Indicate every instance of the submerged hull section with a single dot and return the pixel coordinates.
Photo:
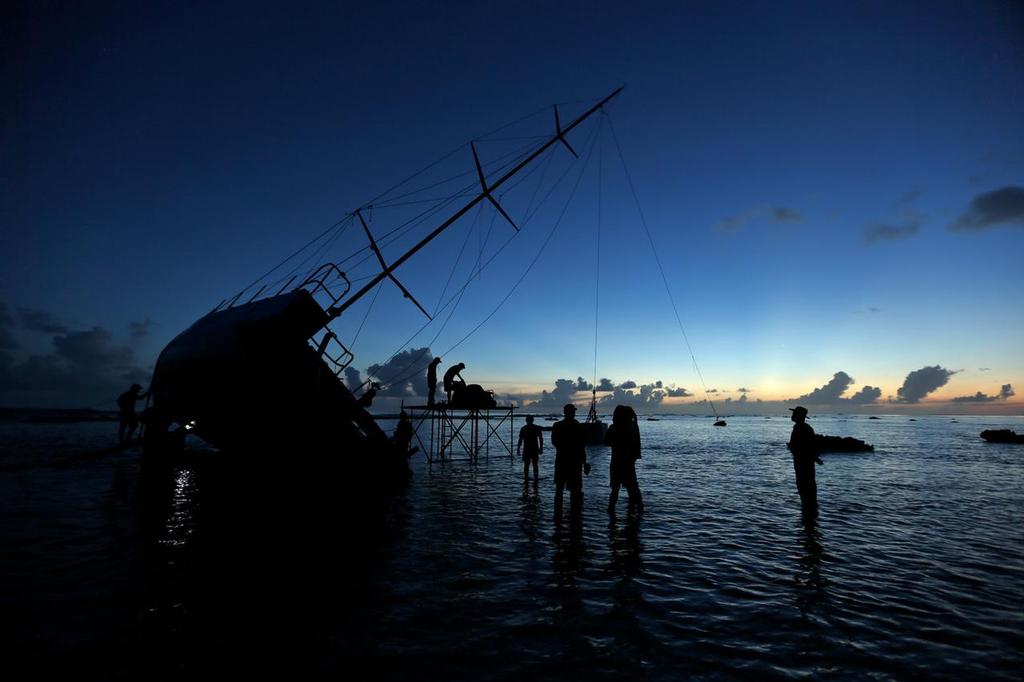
(246, 379)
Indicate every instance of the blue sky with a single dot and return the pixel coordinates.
(801, 167)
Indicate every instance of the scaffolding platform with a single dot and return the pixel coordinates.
(446, 433)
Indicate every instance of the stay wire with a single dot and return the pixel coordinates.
(597, 256)
(533, 262)
(657, 259)
(458, 295)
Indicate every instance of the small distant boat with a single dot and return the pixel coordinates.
(913, 420)
(873, 417)
(652, 419)
(1002, 436)
(720, 422)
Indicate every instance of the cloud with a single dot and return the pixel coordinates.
(737, 222)
(877, 232)
(678, 393)
(744, 390)
(775, 214)
(648, 395)
(1005, 393)
(140, 330)
(353, 379)
(605, 385)
(626, 385)
(866, 396)
(583, 385)
(780, 214)
(712, 390)
(1003, 206)
(404, 375)
(830, 392)
(39, 321)
(921, 382)
(874, 310)
(7, 341)
(984, 369)
(908, 198)
(562, 394)
(85, 367)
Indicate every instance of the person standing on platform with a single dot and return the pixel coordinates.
(531, 444)
(570, 461)
(805, 455)
(432, 380)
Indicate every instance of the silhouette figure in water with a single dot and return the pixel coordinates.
(432, 380)
(805, 454)
(129, 421)
(570, 443)
(531, 444)
(403, 435)
(624, 438)
(366, 399)
(451, 384)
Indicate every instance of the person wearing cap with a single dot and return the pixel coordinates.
(570, 461)
(128, 420)
(805, 455)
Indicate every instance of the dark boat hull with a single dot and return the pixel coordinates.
(246, 380)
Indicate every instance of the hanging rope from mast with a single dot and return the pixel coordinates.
(657, 259)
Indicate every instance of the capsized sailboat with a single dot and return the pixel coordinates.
(266, 374)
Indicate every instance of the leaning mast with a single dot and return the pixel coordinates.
(485, 193)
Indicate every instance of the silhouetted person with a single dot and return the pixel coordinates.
(451, 384)
(403, 434)
(624, 438)
(432, 380)
(805, 454)
(531, 444)
(570, 443)
(129, 421)
(366, 399)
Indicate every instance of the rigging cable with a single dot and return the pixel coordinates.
(597, 255)
(657, 259)
(589, 146)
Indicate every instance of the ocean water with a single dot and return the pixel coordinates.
(914, 568)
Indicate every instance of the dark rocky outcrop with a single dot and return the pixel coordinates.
(1002, 436)
(841, 444)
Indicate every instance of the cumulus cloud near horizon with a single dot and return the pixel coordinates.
(85, 368)
(921, 382)
(832, 393)
(404, 375)
(1005, 393)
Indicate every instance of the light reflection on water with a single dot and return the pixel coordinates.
(914, 567)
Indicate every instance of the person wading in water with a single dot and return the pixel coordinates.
(805, 455)
(531, 444)
(624, 438)
(570, 461)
